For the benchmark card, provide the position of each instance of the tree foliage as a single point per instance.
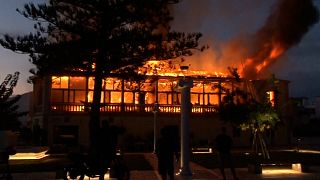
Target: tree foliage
(99, 38)
(8, 105)
(261, 116)
(242, 109)
(72, 34)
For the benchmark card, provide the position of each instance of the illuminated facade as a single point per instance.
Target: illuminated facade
(73, 93)
(61, 105)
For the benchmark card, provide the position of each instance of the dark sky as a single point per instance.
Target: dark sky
(226, 25)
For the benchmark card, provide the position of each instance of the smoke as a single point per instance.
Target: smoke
(244, 34)
(284, 28)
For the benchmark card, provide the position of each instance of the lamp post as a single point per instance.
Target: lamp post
(185, 85)
(155, 114)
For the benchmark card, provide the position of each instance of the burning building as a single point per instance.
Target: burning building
(61, 103)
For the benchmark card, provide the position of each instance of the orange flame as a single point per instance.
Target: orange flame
(277, 51)
(258, 63)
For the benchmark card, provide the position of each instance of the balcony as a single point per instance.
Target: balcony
(149, 108)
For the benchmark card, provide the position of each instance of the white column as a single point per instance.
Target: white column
(185, 85)
(155, 114)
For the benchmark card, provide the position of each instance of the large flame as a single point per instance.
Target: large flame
(289, 21)
(170, 68)
(250, 46)
(258, 63)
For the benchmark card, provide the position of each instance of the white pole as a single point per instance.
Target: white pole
(155, 112)
(185, 86)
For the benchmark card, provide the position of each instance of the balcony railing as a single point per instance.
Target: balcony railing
(162, 108)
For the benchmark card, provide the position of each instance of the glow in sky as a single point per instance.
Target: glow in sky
(221, 23)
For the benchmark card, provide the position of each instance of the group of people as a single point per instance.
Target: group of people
(167, 151)
(168, 147)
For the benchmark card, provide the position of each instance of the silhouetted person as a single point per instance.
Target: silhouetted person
(166, 149)
(108, 143)
(105, 150)
(223, 144)
(119, 169)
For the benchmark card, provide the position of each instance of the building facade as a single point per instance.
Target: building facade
(61, 104)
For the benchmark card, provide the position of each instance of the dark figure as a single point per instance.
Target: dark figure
(224, 144)
(166, 149)
(119, 169)
(108, 145)
(107, 149)
(4, 159)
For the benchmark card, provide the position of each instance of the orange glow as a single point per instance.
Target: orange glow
(165, 68)
(60, 82)
(247, 62)
(276, 51)
(259, 63)
(29, 155)
(279, 171)
(164, 90)
(271, 97)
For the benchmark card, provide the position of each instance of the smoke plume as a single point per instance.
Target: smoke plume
(249, 34)
(284, 28)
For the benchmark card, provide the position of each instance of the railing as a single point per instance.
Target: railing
(74, 107)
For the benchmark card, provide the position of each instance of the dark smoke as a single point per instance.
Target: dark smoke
(287, 24)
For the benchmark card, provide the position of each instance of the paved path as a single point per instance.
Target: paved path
(199, 173)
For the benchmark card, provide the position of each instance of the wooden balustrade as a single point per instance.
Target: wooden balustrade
(68, 107)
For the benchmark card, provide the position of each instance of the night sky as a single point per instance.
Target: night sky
(225, 25)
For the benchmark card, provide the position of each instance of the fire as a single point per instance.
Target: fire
(265, 57)
(162, 90)
(170, 68)
(276, 51)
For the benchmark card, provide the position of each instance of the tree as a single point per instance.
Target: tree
(244, 110)
(8, 108)
(100, 38)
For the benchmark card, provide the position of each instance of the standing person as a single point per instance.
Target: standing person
(166, 149)
(224, 144)
(108, 144)
(105, 151)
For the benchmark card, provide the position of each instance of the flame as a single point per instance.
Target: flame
(144, 93)
(262, 59)
(276, 51)
(169, 68)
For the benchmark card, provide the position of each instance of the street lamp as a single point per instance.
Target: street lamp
(155, 114)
